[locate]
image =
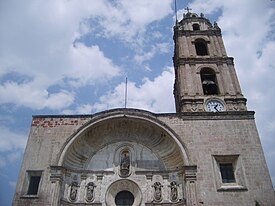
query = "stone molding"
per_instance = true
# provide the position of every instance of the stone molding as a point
(204, 60)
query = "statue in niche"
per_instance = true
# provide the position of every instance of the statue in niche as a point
(73, 191)
(174, 191)
(90, 191)
(125, 163)
(157, 193)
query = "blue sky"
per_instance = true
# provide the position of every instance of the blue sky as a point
(72, 57)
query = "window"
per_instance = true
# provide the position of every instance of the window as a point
(201, 47)
(227, 172)
(124, 198)
(33, 185)
(209, 81)
(196, 27)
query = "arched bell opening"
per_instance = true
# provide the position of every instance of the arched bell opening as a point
(209, 81)
(196, 27)
(201, 47)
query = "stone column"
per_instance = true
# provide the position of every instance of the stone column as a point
(191, 185)
(56, 178)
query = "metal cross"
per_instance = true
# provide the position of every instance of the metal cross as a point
(188, 9)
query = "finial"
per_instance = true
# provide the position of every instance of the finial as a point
(216, 26)
(188, 9)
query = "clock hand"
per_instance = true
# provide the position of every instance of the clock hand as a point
(215, 107)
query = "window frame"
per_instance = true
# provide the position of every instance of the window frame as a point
(239, 184)
(27, 183)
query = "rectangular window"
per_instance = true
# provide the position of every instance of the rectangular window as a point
(33, 184)
(227, 172)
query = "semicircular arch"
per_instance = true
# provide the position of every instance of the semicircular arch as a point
(136, 127)
(204, 66)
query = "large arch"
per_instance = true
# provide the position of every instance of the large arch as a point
(135, 127)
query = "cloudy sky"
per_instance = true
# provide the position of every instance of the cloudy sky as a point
(72, 57)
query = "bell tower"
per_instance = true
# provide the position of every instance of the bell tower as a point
(205, 77)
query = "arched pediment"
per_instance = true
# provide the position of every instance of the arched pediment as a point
(106, 133)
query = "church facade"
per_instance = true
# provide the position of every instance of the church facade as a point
(207, 153)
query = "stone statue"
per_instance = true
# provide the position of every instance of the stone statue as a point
(157, 193)
(125, 164)
(73, 191)
(90, 191)
(174, 191)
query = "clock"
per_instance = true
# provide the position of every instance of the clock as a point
(214, 105)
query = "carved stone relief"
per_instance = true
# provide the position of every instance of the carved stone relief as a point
(174, 191)
(73, 191)
(157, 191)
(90, 187)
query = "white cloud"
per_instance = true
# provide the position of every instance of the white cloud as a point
(142, 12)
(11, 146)
(84, 109)
(89, 65)
(38, 42)
(154, 95)
(159, 48)
(128, 19)
(11, 141)
(29, 95)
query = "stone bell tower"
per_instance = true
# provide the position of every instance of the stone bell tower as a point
(206, 79)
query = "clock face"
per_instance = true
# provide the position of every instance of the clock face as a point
(214, 106)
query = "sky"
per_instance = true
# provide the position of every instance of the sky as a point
(72, 57)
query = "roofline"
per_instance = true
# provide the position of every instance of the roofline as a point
(182, 115)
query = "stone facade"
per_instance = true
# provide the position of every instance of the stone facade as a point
(208, 153)
(73, 152)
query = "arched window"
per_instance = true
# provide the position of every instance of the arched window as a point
(209, 81)
(124, 198)
(196, 27)
(201, 47)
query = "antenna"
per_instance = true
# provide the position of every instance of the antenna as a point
(125, 102)
(176, 10)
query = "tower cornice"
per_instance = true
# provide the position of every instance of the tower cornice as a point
(202, 60)
(179, 31)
